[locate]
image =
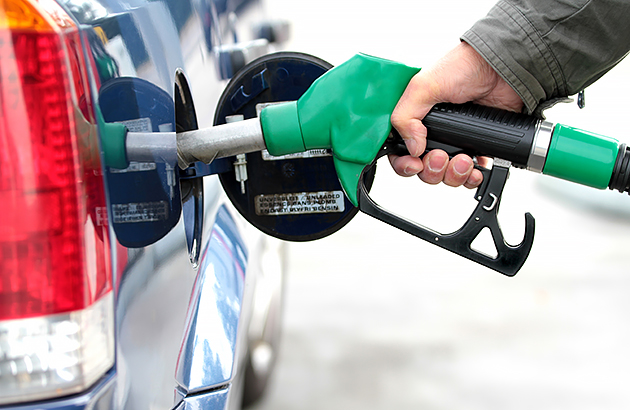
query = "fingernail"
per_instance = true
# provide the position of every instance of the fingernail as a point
(461, 166)
(473, 180)
(411, 171)
(412, 147)
(436, 163)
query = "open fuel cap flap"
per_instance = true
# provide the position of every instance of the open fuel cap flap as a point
(296, 197)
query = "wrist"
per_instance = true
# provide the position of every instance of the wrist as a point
(493, 90)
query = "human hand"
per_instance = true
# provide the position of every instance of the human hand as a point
(460, 76)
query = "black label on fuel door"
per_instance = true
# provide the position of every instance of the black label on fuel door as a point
(300, 203)
(140, 212)
(314, 153)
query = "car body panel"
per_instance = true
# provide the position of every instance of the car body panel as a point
(212, 400)
(208, 350)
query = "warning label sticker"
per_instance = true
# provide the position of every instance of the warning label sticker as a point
(314, 153)
(140, 212)
(138, 125)
(300, 203)
(135, 167)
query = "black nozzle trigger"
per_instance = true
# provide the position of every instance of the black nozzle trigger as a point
(509, 258)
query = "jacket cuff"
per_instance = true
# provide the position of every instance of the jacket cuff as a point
(510, 43)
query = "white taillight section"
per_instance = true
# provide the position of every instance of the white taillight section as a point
(55, 355)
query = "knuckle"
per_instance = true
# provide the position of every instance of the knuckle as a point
(398, 119)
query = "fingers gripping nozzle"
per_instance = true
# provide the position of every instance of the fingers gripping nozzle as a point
(509, 258)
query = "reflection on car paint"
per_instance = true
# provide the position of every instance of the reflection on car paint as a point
(208, 350)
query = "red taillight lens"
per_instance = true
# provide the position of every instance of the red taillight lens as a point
(50, 172)
(54, 250)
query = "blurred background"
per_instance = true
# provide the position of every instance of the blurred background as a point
(378, 319)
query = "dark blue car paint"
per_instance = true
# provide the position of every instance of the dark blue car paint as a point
(211, 323)
(212, 400)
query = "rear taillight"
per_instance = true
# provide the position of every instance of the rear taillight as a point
(56, 303)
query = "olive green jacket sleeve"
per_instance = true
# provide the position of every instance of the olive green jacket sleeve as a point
(547, 50)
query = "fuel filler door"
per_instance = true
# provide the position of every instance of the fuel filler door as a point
(296, 197)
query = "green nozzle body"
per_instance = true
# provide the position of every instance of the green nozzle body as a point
(581, 156)
(347, 110)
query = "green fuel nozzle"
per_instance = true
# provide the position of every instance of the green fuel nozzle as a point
(348, 111)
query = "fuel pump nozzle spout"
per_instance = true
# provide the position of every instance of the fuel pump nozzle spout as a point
(205, 145)
(221, 141)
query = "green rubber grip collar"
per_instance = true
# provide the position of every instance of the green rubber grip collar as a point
(581, 156)
(113, 139)
(347, 110)
(281, 124)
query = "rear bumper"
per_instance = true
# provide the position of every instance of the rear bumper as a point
(99, 397)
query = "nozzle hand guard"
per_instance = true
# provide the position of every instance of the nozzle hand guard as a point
(509, 258)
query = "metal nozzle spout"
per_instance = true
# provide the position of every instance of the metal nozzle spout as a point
(220, 141)
(158, 147)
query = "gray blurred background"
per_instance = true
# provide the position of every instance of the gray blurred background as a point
(377, 319)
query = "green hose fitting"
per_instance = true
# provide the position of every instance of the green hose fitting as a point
(581, 156)
(281, 129)
(347, 110)
(113, 137)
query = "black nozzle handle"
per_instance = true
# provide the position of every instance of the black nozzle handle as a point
(483, 131)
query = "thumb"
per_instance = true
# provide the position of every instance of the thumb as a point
(417, 100)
